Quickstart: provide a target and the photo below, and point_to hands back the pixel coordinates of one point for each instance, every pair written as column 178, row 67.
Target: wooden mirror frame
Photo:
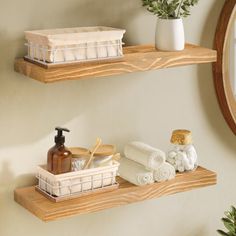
column 222, row 83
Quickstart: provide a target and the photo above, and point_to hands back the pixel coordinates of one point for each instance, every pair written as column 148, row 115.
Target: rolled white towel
column 165, row 172
column 144, row 154
column 134, row 172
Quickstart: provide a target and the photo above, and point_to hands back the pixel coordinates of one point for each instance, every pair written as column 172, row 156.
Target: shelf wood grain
column 127, row 193
column 136, row 58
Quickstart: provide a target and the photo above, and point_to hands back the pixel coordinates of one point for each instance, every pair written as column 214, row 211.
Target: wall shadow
column 206, row 85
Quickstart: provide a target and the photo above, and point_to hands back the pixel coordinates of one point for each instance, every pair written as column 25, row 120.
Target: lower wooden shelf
column 127, row 193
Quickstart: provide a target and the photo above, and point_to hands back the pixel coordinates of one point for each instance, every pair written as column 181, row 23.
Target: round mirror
column 224, row 69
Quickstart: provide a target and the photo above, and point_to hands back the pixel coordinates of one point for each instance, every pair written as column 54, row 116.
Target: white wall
column 140, row 106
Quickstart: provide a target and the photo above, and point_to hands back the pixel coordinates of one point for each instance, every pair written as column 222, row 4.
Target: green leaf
column 222, row 233
column 233, row 210
column 229, row 225
column 229, row 222
column 169, row 8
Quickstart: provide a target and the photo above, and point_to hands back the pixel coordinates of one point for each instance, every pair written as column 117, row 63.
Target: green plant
column 229, row 223
column 170, row 9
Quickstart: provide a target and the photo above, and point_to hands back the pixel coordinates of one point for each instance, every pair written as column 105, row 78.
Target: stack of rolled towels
column 144, row 164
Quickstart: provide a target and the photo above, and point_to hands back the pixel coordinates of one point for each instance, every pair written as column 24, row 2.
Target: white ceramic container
column 170, row 35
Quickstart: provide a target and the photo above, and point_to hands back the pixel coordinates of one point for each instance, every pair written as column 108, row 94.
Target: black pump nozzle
column 60, row 138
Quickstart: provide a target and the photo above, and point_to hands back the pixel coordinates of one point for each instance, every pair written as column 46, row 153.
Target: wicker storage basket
column 74, row 44
column 76, row 182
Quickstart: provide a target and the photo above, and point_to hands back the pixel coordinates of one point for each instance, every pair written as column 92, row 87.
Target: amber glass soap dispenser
column 59, row 157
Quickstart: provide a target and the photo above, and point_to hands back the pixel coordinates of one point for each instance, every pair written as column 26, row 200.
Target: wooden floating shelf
column 127, row 193
column 136, row 58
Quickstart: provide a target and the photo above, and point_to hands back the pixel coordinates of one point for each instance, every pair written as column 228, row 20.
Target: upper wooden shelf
column 127, row 193
column 136, row 58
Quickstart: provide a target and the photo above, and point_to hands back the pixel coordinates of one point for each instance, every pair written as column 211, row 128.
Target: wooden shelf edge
column 136, row 59
column 127, row 193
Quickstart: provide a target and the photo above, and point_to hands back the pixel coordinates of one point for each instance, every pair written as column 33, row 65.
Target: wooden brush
column 94, row 149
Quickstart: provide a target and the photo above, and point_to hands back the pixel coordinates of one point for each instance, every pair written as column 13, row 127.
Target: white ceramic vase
column 170, row 35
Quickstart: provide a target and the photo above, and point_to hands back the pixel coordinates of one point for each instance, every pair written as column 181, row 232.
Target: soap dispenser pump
column 59, row 156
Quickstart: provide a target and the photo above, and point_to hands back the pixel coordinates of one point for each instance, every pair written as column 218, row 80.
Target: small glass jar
column 78, row 163
column 182, row 154
column 79, row 158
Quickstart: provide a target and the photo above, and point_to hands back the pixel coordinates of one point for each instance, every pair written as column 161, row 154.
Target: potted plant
column 229, row 223
column 169, row 28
